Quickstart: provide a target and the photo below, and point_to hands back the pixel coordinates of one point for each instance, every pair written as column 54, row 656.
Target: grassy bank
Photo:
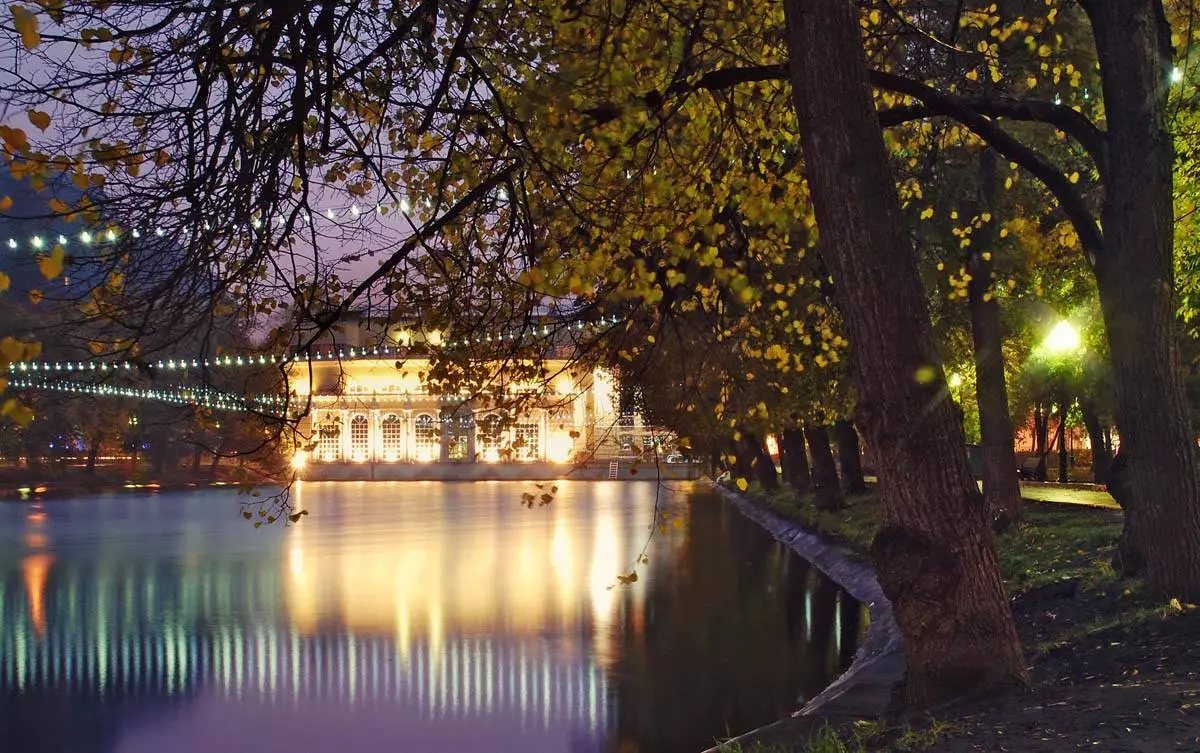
column 1111, row 665
column 1053, row 543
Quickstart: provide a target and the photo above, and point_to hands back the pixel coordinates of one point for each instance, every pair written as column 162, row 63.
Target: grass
column 863, row 735
column 1053, row 543
column 826, row 740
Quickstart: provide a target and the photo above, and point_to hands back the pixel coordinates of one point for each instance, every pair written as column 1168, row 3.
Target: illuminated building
column 374, row 415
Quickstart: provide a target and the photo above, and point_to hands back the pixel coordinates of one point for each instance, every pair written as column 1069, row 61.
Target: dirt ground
column 1109, row 674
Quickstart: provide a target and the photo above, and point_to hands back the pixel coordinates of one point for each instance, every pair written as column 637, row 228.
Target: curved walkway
column 865, row 689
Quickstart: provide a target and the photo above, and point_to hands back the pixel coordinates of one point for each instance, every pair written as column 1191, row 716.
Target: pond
column 405, row 616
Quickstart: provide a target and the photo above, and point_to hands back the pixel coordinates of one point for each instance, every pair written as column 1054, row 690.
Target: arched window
column 360, row 438
column 428, row 436
column 460, row 428
column 489, row 439
column 391, row 430
column 525, row 441
column 329, row 439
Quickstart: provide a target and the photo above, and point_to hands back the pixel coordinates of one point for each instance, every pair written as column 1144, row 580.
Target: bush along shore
column 1112, row 668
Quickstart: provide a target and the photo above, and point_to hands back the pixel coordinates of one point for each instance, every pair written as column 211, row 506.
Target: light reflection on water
column 445, row 615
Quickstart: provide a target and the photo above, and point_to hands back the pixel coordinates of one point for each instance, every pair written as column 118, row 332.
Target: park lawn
column 1053, row 543
column 1111, row 667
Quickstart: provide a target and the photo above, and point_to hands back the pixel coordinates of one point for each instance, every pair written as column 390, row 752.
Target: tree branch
column 933, row 102
column 936, row 103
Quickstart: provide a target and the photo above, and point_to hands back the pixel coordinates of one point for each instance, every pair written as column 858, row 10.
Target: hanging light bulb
column 405, row 206
column 158, row 232
column 137, row 234
column 12, row 243
column 85, row 236
column 329, row 213
column 354, row 209
column 37, row 241
column 111, row 235
column 62, row 240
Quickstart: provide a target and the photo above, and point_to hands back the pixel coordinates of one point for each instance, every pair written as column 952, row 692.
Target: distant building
column 375, row 415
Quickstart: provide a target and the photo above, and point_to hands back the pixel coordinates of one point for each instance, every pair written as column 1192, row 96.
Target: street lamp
column 1063, row 339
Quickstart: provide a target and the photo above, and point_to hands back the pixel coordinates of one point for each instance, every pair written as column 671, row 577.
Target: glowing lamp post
column 1062, row 340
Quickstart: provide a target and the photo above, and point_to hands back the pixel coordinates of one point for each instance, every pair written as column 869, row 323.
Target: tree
column 937, row 562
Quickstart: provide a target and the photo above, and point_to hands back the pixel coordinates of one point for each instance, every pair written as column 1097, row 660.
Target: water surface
column 418, row 616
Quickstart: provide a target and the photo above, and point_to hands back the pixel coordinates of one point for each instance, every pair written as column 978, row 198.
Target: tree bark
column 761, row 463
column 1135, row 278
column 1096, row 435
column 1001, row 486
column 934, row 550
column 93, row 454
column 743, row 460
column 1041, row 439
column 795, row 461
column 850, row 457
column 826, row 488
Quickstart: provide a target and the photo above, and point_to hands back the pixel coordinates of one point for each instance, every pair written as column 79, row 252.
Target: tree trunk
column 197, row 456
column 795, row 461
column 850, row 457
column 1041, row 423
column 93, row 454
column 743, row 460
column 761, row 463
column 1096, row 435
column 1135, row 278
column 826, row 488
column 934, row 550
column 1001, row 486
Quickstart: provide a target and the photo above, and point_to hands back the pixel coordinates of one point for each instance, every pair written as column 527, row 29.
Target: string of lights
column 353, row 211
column 202, row 397
column 257, row 360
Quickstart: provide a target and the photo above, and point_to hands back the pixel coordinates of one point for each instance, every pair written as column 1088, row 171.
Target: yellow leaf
column 15, row 138
column 39, row 119
column 26, row 24
column 875, row 17
column 51, row 265
column 6, row 204
column 973, row 75
column 743, row 484
column 4, row 282
column 59, row 207
column 1031, row 82
column 12, row 409
column 35, row 297
column 1073, row 177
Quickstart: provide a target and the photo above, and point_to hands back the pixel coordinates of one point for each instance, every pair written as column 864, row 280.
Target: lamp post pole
column 1063, row 340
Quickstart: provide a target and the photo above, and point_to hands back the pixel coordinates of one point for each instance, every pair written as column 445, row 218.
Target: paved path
column 1086, row 497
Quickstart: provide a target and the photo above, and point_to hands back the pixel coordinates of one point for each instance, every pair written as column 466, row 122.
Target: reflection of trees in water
column 730, row 640
column 74, row 720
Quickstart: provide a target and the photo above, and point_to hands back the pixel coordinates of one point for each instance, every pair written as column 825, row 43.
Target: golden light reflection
column 436, row 572
column 34, row 570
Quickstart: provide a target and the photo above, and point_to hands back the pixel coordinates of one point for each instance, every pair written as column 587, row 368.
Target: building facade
column 377, row 418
